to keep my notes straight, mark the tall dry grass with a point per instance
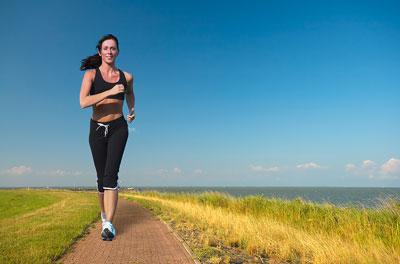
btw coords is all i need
(294, 231)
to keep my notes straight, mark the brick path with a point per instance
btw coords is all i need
(141, 238)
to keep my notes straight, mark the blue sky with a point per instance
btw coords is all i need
(271, 93)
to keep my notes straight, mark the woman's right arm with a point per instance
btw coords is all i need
(87, 100)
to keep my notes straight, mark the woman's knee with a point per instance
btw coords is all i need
(110, 181)
(100, 185)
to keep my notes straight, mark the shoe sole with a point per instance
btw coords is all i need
(107, 235)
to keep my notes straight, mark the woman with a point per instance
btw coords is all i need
(104, 87)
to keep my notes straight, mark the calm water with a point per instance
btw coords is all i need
(343, 196)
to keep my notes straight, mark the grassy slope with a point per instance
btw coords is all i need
(39, 225)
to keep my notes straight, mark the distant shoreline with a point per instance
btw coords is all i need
(368, 197)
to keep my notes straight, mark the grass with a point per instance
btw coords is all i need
(14, 203)
(284, 231)
(38, 226)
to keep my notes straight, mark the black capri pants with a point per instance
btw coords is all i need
(107, 142)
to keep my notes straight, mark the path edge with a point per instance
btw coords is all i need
(74, 242)
(183, 242)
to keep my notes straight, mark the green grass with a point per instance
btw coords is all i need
(17, 202)
(39, 225)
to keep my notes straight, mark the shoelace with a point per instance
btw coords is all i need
(106, 130)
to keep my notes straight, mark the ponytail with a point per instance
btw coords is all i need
(94, 61)
(91, 62)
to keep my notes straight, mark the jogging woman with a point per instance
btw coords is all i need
(104, 87)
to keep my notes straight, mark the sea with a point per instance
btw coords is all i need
(361, 197)
(339, 196)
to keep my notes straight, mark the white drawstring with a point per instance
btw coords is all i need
(106, 130)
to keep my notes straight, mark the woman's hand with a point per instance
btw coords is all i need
(119, 88)
(131, 116)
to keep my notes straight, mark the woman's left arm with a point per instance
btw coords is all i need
(130, 96)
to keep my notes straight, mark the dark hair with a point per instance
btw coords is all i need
(94, 61)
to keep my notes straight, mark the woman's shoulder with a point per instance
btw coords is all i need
(90, 73)
(128, 76)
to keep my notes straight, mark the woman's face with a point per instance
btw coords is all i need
(109, 51)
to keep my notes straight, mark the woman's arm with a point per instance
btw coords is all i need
(85, 99)
(130, 96)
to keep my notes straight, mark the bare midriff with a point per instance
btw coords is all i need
(107, 110)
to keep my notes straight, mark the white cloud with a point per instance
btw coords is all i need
(77, 173)
(161, 171)
(259, 168)
(368, 165)
(166, 172)
(177, 171)
(388, 170)
(18, 170)
(307, 166)
(366, 168)
(391, 168)
(59, 172)
(24, 170)
(351, 168)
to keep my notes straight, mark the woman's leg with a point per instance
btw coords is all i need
(98, 146)
(115, 150)
(101, 201)
(110, 202)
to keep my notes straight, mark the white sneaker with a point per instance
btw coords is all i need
(113, 230)
(108, 231)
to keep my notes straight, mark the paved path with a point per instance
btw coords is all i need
(141, 238)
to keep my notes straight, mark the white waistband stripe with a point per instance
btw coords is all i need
(106, 126)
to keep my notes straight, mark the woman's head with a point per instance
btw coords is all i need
(107, 51)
